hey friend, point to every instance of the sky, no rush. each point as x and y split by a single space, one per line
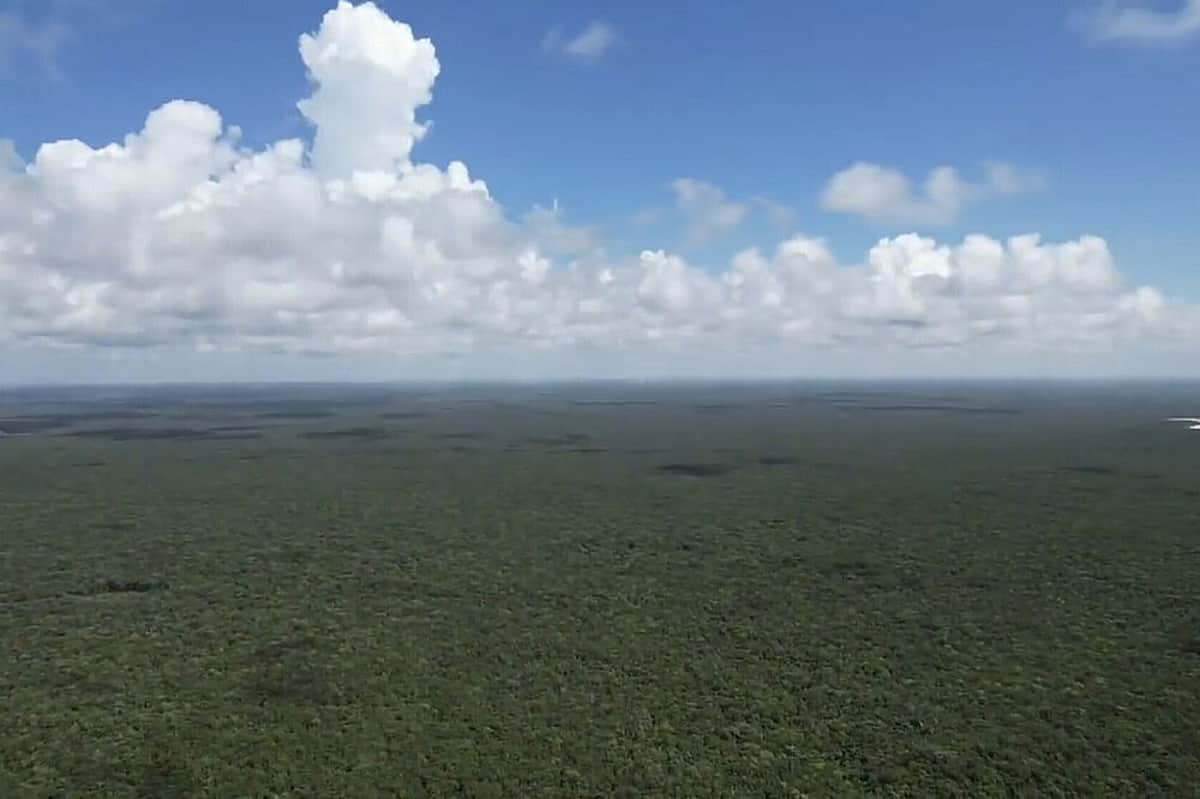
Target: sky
411 190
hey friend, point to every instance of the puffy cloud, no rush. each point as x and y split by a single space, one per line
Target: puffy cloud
370 76
594 40
1110 21
882 194
554 238
181 239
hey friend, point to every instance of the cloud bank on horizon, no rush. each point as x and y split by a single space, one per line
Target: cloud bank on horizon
180 237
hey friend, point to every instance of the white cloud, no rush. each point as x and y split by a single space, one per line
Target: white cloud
180 239
707 210
592 41
1110 21
554 238
370 75
882 194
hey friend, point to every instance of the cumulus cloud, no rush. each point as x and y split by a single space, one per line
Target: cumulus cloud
370 75
181 238
592 41
883 194
1124 23
554 237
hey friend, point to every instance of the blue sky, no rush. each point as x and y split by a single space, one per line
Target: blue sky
761 99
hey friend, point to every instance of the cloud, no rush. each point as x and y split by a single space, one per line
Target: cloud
180 239
708 211
554 238
38 41
370 75
590 43
779 215
1122 23
882 194
35 33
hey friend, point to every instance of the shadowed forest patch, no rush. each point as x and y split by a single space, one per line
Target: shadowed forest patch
1190 644
143 433
1089 469
856 568
565 439
166 777
298 414
273 651
696 469
461 435
302 683
615 402
947 409
114 525
167 433
131 586
778 460
354 433
290 671
159 773
41 423
399 415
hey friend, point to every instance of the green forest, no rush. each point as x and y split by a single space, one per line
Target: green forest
594 590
